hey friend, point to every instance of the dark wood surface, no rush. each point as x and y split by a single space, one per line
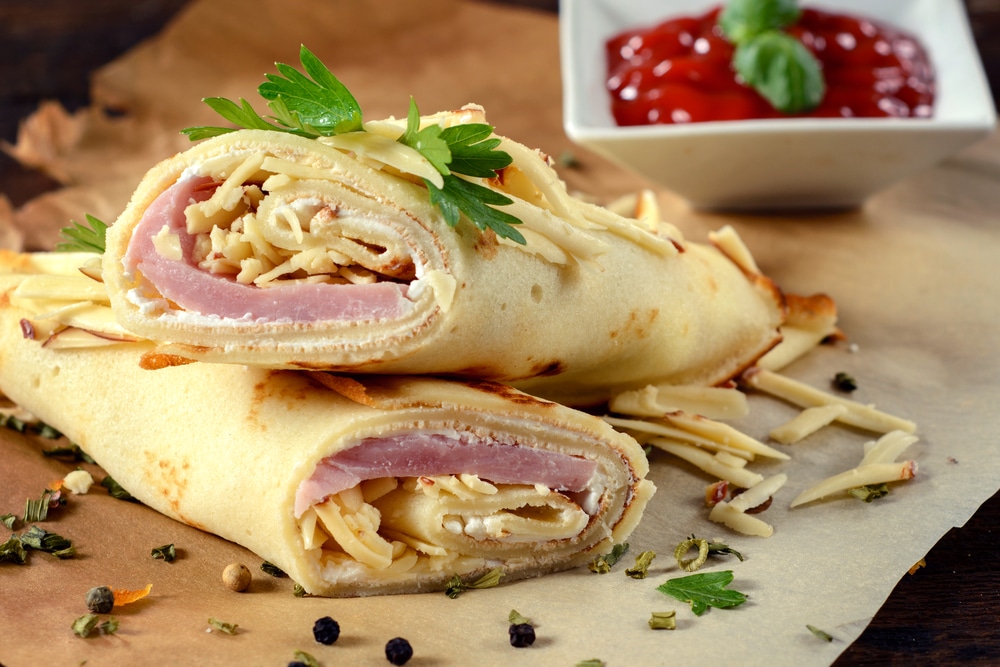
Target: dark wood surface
944 614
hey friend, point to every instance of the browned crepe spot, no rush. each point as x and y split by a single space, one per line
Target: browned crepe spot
347 387
154 361
508 393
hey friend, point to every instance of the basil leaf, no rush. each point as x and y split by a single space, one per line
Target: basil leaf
782 70
742 20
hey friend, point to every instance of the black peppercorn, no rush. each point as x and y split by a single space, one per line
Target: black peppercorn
522 634
844 382
100 600
398 651
326 630
297 663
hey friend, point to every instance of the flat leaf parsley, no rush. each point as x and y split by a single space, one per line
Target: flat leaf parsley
83 238
704 591
314 103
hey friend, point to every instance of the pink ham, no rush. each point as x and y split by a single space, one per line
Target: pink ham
418 454
195 290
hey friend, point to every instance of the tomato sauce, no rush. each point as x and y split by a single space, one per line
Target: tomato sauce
679 72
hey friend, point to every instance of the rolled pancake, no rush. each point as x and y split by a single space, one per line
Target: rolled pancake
269 249
353 486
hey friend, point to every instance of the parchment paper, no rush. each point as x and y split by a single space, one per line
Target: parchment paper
912 272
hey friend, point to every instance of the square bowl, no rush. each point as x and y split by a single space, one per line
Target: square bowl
777 163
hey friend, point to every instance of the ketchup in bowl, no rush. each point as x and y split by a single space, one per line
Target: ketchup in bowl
679 72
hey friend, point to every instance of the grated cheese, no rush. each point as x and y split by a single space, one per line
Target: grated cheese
657 400
801 394
806 423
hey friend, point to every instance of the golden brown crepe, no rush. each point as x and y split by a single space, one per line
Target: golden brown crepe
353 486
269 249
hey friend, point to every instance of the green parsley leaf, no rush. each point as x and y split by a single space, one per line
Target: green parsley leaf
591 662
456 586
241 115
473 150
83 238
321 104
704 590
742 20
782 70
428 141
167 553
603 564
316 103
8 521
222 626
460 195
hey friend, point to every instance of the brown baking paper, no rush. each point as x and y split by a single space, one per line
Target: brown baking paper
912 272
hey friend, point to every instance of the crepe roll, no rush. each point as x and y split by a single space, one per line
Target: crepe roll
269 249
352 485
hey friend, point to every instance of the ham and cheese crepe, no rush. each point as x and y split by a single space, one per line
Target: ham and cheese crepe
269 249
353 486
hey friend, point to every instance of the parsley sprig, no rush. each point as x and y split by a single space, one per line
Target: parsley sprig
704 591
83 238
772 62
314 103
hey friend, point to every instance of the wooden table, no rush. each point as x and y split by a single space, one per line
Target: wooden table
944 614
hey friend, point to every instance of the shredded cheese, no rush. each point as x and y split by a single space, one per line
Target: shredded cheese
733 513
801 394
729 242
708 462
658 400
878 466
806 423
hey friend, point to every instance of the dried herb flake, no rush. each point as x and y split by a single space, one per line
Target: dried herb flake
641 567
603 564
115 490
167 553
456 586
222 626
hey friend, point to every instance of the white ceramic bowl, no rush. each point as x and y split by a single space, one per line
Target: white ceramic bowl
783 163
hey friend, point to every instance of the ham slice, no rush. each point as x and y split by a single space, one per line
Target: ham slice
195 290
416 454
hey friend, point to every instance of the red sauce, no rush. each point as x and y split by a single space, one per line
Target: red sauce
679 72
